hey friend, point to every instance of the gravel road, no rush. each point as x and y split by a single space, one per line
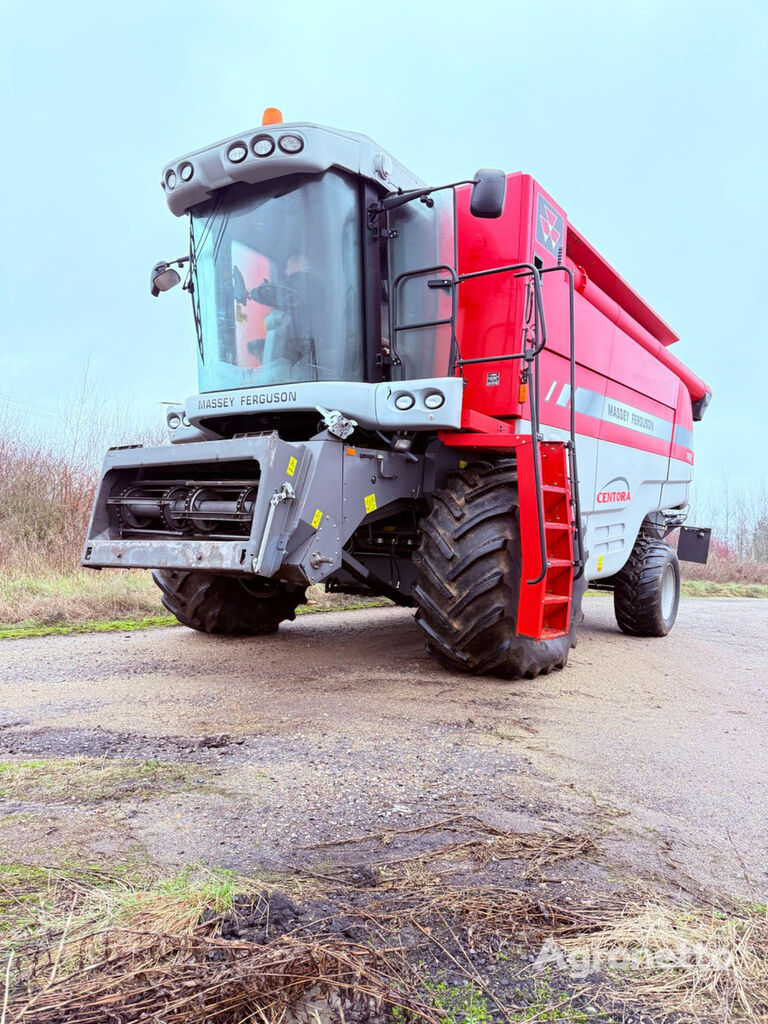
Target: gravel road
341 726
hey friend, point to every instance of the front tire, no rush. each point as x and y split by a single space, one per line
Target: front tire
468 579
228 605
646 593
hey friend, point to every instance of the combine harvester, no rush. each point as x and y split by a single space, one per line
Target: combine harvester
397 383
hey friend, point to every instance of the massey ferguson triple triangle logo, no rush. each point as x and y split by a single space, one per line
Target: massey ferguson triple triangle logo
549 226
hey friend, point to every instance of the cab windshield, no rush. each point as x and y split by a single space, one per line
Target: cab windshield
278 283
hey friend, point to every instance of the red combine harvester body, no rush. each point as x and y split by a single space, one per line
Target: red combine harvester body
443 395
634 399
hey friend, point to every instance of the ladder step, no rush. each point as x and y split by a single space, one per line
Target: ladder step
559 563
554 489
551 634
550 524
552 599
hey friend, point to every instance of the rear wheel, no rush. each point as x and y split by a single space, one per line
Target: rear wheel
468 584
228 604
646 592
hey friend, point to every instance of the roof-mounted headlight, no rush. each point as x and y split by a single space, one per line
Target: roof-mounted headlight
263 145
237 152
291 143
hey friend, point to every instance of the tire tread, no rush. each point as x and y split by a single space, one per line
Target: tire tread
222 605
468 579
637 590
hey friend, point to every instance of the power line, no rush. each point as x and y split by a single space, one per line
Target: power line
29 408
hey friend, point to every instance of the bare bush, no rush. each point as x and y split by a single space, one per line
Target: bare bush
47 483
737 512
45 503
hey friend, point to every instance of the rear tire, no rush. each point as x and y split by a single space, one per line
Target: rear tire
227 604
646 593
468 579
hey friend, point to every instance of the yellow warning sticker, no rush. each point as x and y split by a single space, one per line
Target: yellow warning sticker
291 466
599 563
317 518
370 503
462 464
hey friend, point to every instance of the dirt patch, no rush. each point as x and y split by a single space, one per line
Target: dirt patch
20 738
85 780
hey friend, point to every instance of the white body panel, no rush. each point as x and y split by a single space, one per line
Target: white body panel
612 522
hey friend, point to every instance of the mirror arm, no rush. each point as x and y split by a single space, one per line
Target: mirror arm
400 198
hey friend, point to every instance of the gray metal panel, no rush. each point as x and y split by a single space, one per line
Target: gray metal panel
273 456
311 498
323 148
372 405
420 417
213 556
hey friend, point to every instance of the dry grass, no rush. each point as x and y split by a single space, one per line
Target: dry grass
47 484
107 950
160 956
79 596
686 959
141 976
45 503
727 568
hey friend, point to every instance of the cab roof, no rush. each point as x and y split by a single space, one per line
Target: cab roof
296 148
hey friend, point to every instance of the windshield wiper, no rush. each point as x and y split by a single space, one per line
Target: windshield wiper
189 286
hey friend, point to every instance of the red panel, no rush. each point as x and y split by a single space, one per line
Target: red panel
491 309
605 277
619 339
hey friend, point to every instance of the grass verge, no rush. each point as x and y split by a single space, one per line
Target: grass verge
37 602
91 602
707 588
33 628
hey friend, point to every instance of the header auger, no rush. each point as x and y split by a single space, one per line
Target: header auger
443 395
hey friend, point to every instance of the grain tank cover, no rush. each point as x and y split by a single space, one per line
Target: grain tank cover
274 151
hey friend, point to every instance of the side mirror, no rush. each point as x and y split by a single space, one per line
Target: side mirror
163 278
488 193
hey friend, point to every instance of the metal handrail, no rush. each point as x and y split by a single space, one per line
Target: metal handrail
396 328
581 560
529 354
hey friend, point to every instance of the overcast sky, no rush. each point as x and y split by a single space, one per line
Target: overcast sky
646 121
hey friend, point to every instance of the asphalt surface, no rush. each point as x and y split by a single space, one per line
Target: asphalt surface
341 725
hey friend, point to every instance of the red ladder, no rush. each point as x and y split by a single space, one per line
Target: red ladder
544 610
